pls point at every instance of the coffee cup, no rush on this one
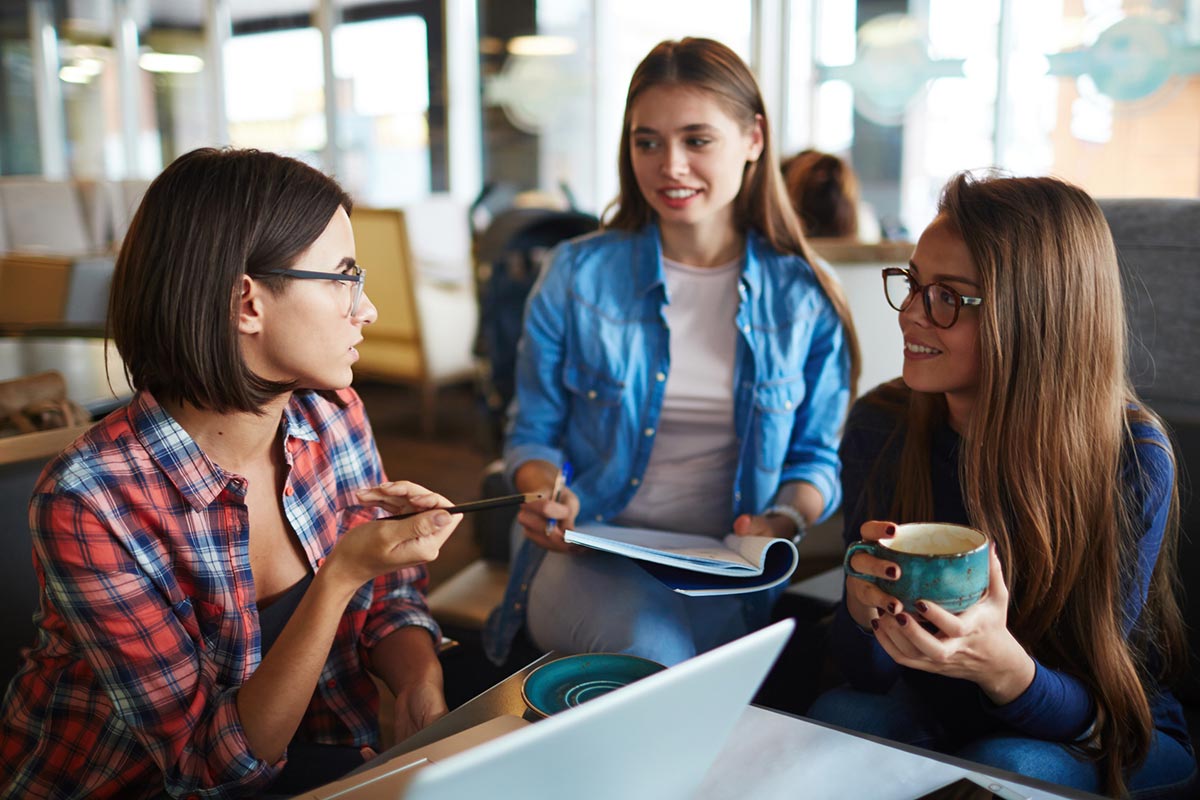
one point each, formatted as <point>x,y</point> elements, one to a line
<point>941,563</point>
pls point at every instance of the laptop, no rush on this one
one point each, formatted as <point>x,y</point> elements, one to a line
<point>654,739</point>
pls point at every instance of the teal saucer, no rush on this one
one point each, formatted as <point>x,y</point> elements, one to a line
<point>573,680</point>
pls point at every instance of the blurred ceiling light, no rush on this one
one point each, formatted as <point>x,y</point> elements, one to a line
<point>152,61</point>
<point>74,74</point>
<point>89,66</point>
<point>541,46</point>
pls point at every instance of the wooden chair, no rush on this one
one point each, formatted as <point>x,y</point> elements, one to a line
<point>426,328</point>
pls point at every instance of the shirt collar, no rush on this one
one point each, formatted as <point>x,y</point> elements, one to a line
<point>193,474</point>
<point>648,264</point>
<point>181,460</point>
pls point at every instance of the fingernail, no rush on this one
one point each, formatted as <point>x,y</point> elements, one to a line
<point>902,619</point>
<point>880,610</point>
<point>892,572</point>
<point>890,530</point>
<point>441,518</point>
<point>874,624</point>
<point>921,606</point>
<point>892,606</point>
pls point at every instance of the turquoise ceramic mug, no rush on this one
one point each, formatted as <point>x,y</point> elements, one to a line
<point>942,563</point>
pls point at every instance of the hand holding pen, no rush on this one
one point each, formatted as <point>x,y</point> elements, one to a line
<point>545,521</point>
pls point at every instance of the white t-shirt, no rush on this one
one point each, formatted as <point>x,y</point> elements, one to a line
<point>688,484</point>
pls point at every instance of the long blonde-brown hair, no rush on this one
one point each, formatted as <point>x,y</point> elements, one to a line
<point>762,203</point>
<point>1041,465</point>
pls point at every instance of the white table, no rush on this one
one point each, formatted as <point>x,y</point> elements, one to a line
<point>774,755</point>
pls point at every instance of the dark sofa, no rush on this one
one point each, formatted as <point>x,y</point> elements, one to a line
<point>1158,245</point>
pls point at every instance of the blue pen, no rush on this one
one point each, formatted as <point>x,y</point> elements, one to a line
<point>561,481</point>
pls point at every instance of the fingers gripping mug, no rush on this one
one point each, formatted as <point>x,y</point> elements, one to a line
<point>942,563</point>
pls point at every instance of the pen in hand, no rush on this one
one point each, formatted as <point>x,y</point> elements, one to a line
<point>561,480</point>
<point>475,505</point>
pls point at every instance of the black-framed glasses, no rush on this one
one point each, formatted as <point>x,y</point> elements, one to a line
<point>942,302</point>
<point>354,274</point>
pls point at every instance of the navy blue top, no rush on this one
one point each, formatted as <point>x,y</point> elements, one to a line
<point>1057,706</point>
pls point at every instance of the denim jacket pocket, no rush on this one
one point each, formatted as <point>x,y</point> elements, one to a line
<point>595,406</point>
<point>775,405</point>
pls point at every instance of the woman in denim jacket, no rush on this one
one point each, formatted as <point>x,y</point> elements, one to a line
<point>688,360</point>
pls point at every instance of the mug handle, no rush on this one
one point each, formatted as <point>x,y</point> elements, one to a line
<point>866,547</point>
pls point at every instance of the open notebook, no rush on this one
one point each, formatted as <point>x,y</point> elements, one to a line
<point>652,739</point>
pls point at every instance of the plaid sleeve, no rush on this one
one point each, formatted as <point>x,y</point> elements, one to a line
<point>147,652</point>
<point>398,598</point>
<point>399,601</point>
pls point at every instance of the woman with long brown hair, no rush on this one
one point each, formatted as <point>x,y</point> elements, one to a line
<point>1015,416</point>
<point>688,360</point>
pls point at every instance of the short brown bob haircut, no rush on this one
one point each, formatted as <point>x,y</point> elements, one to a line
<point>209,218</point>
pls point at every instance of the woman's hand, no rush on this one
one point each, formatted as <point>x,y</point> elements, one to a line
<point>417,705</point>
<point>865,601</point>
<point>375,548</point>
<point>776,526</point>
<point>535,519</point>
<point>401,497</point>
<point>975,645</point>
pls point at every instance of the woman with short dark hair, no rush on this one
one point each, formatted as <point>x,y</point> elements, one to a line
<point>215,583</point>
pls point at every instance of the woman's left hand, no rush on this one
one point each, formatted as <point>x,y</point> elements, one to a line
<point>775,526</point>
<point>417,705</point>
<point>975,645</point>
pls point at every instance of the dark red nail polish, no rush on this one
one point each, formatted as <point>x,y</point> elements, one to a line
<point>921,606</point>
<point>874,624</point>
<point>892,572</point>
<point>890,530</point>
<point>902,619</point>
<point>892,606</point>
<point>880,610</point>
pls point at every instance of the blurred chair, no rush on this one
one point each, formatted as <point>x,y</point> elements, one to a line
<point>45,217</point>
<point>440,237</point>
<point>426,328</point>
<point>1158,245</point>
<point>21,461</point>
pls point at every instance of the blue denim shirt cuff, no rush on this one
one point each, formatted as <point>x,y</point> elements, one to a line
<point>822,477</point>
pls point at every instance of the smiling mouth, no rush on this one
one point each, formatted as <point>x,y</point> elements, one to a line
<point>680,194</point>
<point>920,349</point>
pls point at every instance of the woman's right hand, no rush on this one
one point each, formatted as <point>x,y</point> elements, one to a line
<point>375,548</point>
<point>864,600</point>
<point>535,519</point>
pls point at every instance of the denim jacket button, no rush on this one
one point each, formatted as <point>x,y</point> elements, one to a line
<point>591,394</point>
<point>660,377</point>
<point>649,431</point>
<point>634,481</point>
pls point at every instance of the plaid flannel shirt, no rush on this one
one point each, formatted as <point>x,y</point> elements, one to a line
<point>148,625</point>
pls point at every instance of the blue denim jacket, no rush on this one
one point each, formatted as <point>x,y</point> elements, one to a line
<point>592,367</point>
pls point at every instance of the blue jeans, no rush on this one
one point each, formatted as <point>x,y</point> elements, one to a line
<point>600,603</point>
<point>1168,772</point>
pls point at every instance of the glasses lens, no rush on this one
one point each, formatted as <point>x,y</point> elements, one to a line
<point>898,289</point>
<point>356,292</point>
<point>943,304</point>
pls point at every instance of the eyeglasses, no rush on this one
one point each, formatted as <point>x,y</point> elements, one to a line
<point>353,274</point>
<point>942,302</point>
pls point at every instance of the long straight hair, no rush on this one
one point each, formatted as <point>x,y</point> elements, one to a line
<point>1041,465</point>
<point>762,204</point>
